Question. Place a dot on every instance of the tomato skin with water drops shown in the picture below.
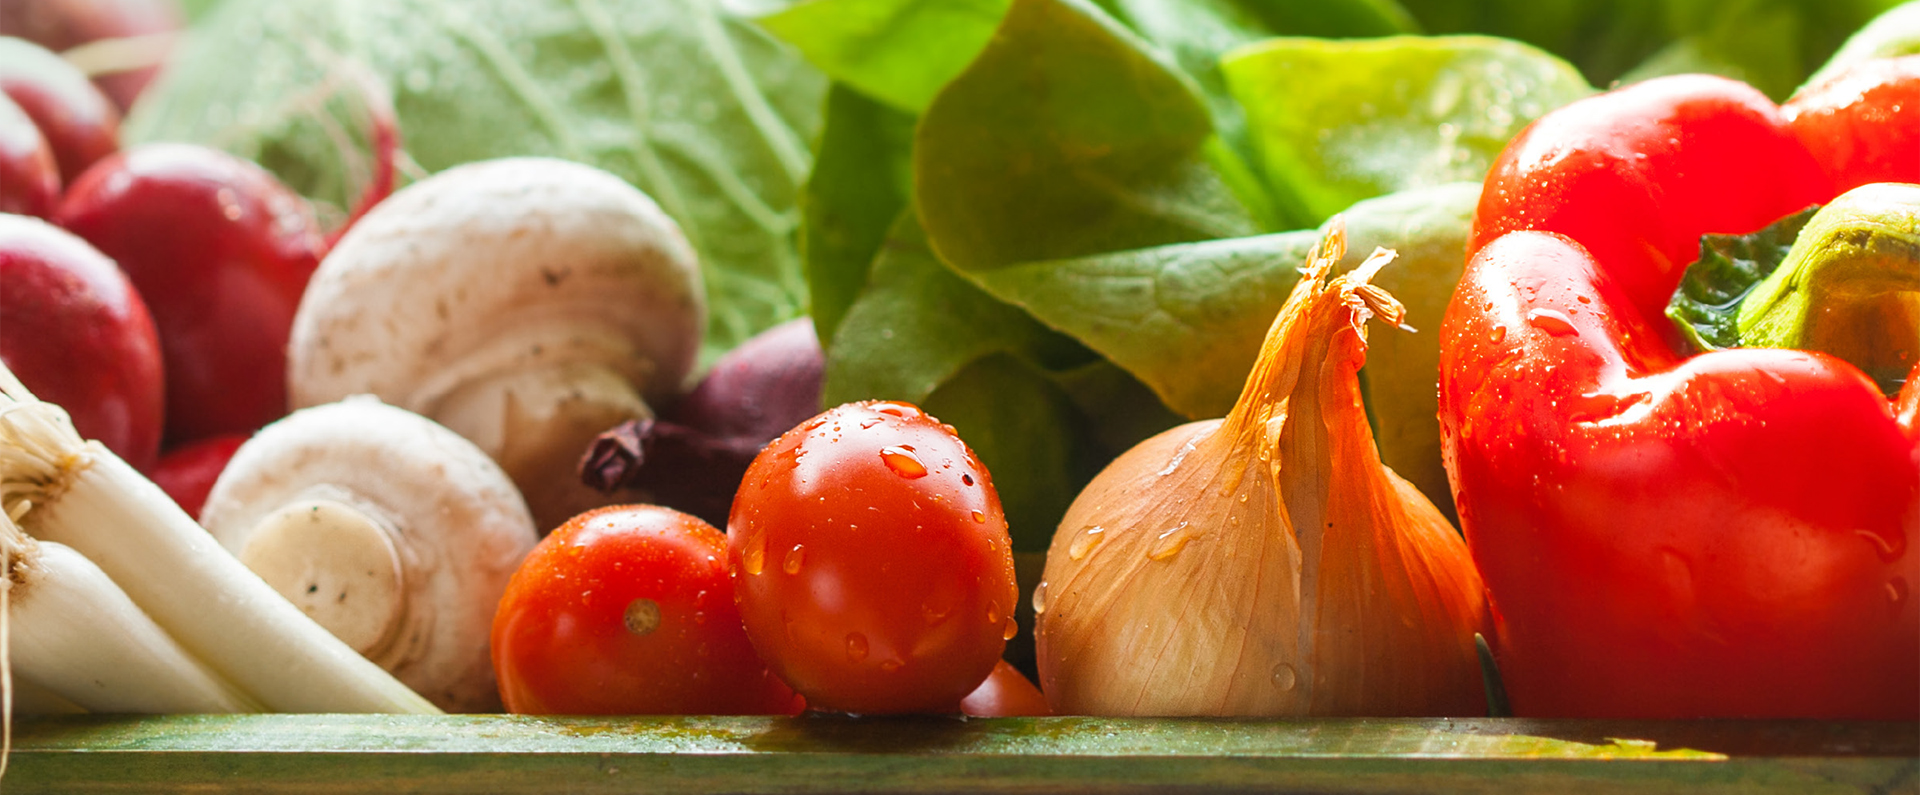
(871, 561)
(626, 610)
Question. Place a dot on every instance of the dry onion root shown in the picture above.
(1267, 563)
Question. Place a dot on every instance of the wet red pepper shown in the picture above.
(1664, 534)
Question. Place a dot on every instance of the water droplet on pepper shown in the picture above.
(903, 462)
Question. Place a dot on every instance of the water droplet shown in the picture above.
(936, 612)
(1597, 406)
(1284, 677)
(869, 423)
(229, 204)
(980, 516)
(892, 409)
(993, 612)
(1085, 542)
(903, 462)
(756, 557)
(1552, 321)
(1497, 335)
(642, 616)
(1040, 599)
(794, 556)
(1897, 590)
(889, 666)
(967, 479)
(1169, 543)
(1012, 628)
(856, 647)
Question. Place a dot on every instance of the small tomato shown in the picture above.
(627, 610)
(1006, 693)
(871, 561)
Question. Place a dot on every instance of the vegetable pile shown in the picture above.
(723, 362)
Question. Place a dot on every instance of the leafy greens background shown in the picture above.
(694, 104)
(1062, 225)
(1090, 221)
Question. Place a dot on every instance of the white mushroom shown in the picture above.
(394, 533)
(526, 303)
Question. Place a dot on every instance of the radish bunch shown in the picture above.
(216, 252)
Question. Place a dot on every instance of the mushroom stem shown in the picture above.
(338, 564)
(534, 421)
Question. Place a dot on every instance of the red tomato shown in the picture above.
(625, 610)
(871, 561)
(1007, 693)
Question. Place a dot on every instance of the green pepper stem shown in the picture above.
(1850, 286)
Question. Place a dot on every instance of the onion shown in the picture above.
(1266, 563)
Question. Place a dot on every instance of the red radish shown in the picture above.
(78, 121)
(78, 335)
(123, 41)
(29, 179)
(221, 251)
(187, 473)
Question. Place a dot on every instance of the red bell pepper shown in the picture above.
(1665, 534)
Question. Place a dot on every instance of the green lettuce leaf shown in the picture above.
(1067, 136)
(860, 183)
(898, 51)
(917, 324)
(1773, 44)
(1196, 33)
(695, 105)
(1030, 435)
(1340, 121)
(1187, 319)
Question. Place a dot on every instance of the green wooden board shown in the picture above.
(511, 754)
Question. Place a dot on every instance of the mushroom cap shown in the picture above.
(496, 266)
(459, 528)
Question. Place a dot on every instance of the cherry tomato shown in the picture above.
(871, 561)
(1007, 693)
(627, 610)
